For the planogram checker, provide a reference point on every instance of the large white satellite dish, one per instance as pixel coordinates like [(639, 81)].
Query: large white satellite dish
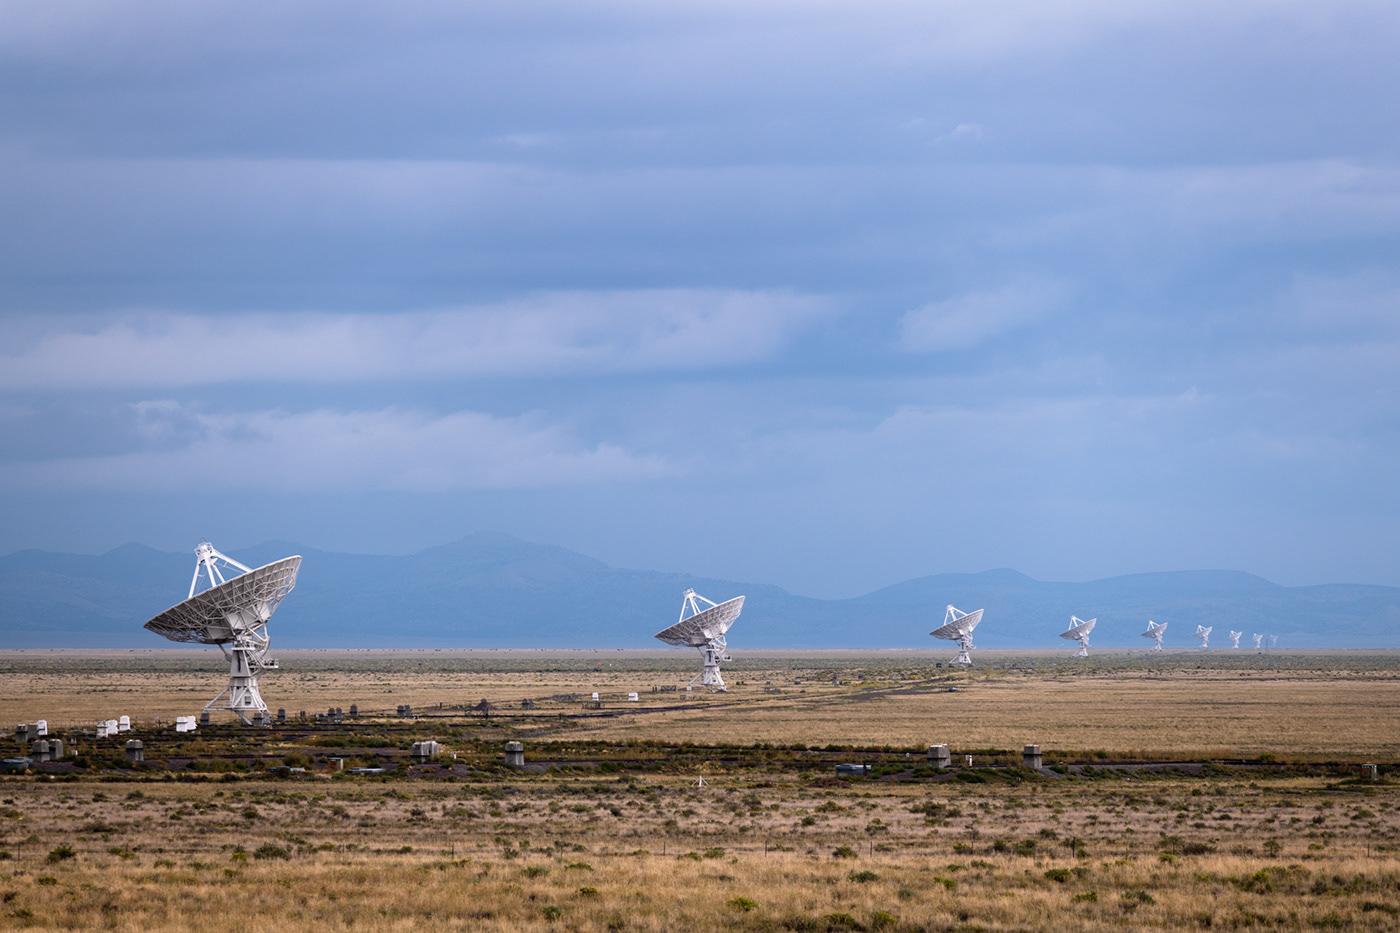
[(1235, 638), (1154, 631), (1203, 633), (1258, 641), (232, 613), (1079, 631), (704, 629), (957, 626)]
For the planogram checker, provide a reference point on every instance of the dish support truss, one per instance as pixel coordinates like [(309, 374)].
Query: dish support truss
[(247, 655), (1203, 633), (1154, 631), (715, 651), (1235, 638)]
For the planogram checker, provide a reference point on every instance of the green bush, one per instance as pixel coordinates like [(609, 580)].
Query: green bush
[(62, 853), (745, 904), (862, 877), (843, 852), (267, 850)]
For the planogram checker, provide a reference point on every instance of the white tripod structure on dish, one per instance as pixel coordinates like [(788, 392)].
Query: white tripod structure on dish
[(957, 626), (1203, 633), (1154, 631), (1079, 631), (232, 613), (704, 629)]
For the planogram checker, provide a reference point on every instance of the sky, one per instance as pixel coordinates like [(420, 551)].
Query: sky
[(824, 295)]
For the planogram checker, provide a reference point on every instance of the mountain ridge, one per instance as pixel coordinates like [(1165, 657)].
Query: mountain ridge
[(494, 590)]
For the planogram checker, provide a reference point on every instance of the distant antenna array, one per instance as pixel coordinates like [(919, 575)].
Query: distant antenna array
[(957, 626), (1235, 638), (232, 613), (1258, 641), (1154, 631), (1079, 631), (705, 629), (1203, 633)]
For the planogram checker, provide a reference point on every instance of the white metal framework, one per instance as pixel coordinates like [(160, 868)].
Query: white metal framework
[(1235, 638), (232, 613), (1258, 641), (704, 629), (957, 626), (1203, 633), (1079, 631), (1154, 631)]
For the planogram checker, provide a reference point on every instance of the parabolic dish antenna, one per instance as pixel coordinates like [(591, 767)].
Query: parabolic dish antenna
[(232, 613), (1154, 631), (1203, 633), (1258, 641), (957, 626), (704, 629), (1235, 638), (1079, 631)]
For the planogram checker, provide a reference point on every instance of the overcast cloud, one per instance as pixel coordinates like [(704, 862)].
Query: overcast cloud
[(815, 294)]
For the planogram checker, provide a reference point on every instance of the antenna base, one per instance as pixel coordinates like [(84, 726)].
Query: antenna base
[(241, 696)]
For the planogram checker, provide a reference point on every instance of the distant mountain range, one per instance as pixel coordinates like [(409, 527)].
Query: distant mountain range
[(495, 591)]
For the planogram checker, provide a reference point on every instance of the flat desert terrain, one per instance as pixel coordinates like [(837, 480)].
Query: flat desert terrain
[(1179, 792)]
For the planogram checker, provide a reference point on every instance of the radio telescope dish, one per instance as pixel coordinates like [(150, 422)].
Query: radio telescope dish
[(704, 629), (1203, 633), (1079, 631), (1258, 641), (1235, 638), (957, 626), (1154, 631), (1273, 641), (232, 613)]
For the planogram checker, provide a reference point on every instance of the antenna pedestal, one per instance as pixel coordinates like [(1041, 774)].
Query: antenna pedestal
[(964, 646), (241, 695), (709, 677)]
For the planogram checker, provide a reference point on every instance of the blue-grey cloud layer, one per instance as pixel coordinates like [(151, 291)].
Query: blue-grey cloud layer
[(819, 294)]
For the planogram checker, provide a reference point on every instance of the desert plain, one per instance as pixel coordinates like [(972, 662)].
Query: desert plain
[(1220, 790)]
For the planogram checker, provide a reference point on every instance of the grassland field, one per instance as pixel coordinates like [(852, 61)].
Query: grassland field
[(1188, 791)]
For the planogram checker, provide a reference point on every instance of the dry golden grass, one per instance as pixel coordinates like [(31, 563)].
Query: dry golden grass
[(550, 853)]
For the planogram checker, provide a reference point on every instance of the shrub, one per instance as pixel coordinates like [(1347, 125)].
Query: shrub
[(267, 850), (47, 879), (1088, 897), (1059, 875), (716, 852), (1131, 900), (841, 921), (587, 892), (843, 852), (535, 871), (745, 904), (881, 919), (552, 912), (863, 877), (62, 853)]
